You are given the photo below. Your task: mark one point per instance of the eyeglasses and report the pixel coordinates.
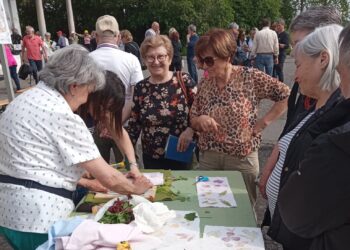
(160, 58)
(208, 60)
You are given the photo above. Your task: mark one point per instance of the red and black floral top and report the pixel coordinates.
(235, 108)
(160, 110)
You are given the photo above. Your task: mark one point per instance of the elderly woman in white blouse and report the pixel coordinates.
(45, 148)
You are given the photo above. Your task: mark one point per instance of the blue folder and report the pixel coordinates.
(172, 153)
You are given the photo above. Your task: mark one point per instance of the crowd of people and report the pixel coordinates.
(91, 98)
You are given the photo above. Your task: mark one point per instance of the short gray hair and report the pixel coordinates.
(233, 25)
(324, 39)
(47, 34)
(315, 17)
(281, 21)
(344, 43)
(71, 65)
(192, 27)
(30, 28)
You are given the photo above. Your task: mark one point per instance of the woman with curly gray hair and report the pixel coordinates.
(45, 148)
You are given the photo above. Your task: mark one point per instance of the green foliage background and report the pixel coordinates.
(137, 15)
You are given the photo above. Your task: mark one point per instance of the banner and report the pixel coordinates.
(5, 35)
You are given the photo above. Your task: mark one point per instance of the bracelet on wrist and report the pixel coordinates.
(133, 164)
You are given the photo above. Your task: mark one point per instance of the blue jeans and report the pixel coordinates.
(14, 76)
(264, 62)
(36, 66)
(192, 69)
(278, 69)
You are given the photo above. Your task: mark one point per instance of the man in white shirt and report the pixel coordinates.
(124, 64)
(154, 30)
(107, 54)
(265, 48)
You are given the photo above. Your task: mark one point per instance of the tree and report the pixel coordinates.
(287, 11)
(250, 12)
(341, 5)
(213, 13)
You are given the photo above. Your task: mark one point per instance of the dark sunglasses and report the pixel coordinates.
(209, 60)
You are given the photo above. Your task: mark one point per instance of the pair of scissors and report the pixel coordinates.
(201, 178)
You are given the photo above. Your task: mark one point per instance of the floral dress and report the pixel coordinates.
(160, 110)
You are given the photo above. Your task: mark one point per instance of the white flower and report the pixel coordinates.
(180, 107)
(165, 112)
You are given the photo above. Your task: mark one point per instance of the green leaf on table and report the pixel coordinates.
(182, 199)
(180, 178)
(223, 193)
(226, 203)
(165, 192)
(190, 216)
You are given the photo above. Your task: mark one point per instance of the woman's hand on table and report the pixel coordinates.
(134, 172)
(207, 124)
(185, 139)
(94, 185)
(142, 184)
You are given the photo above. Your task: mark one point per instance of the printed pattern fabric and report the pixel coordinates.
(235, 108)
(160, 110)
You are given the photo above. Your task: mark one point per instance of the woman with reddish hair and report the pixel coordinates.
(225, 110)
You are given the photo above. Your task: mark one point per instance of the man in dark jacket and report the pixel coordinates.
(192, 38)
(315, 201)
(283, 45)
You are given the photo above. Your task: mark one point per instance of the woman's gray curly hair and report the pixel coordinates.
(71, 65)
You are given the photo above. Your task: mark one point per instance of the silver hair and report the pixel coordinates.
(71, 65)
(324, 39)
(281, 21)
(192, 27)
(47, 34)
(30, 28)
(172, 30)
(315, 17)
(233, 25)
(344, 50)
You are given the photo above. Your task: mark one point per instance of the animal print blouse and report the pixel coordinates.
(235, 108)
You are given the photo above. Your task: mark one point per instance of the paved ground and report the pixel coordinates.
(270, 136)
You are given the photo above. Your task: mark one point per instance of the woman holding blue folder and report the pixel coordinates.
(162, 104)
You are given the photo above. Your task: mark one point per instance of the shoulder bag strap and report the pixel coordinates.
(182, 84)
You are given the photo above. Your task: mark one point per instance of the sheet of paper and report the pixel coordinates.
(215, 192)
(209, 243)
(243, 238)
(156, 178)
(178, 230)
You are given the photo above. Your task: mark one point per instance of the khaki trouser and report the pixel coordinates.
(248, 166)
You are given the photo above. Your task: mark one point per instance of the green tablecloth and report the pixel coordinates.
(240, 216)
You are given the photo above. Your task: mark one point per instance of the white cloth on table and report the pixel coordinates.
(44, 141)
(150, 217)
(59, 229)
(90, 235)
